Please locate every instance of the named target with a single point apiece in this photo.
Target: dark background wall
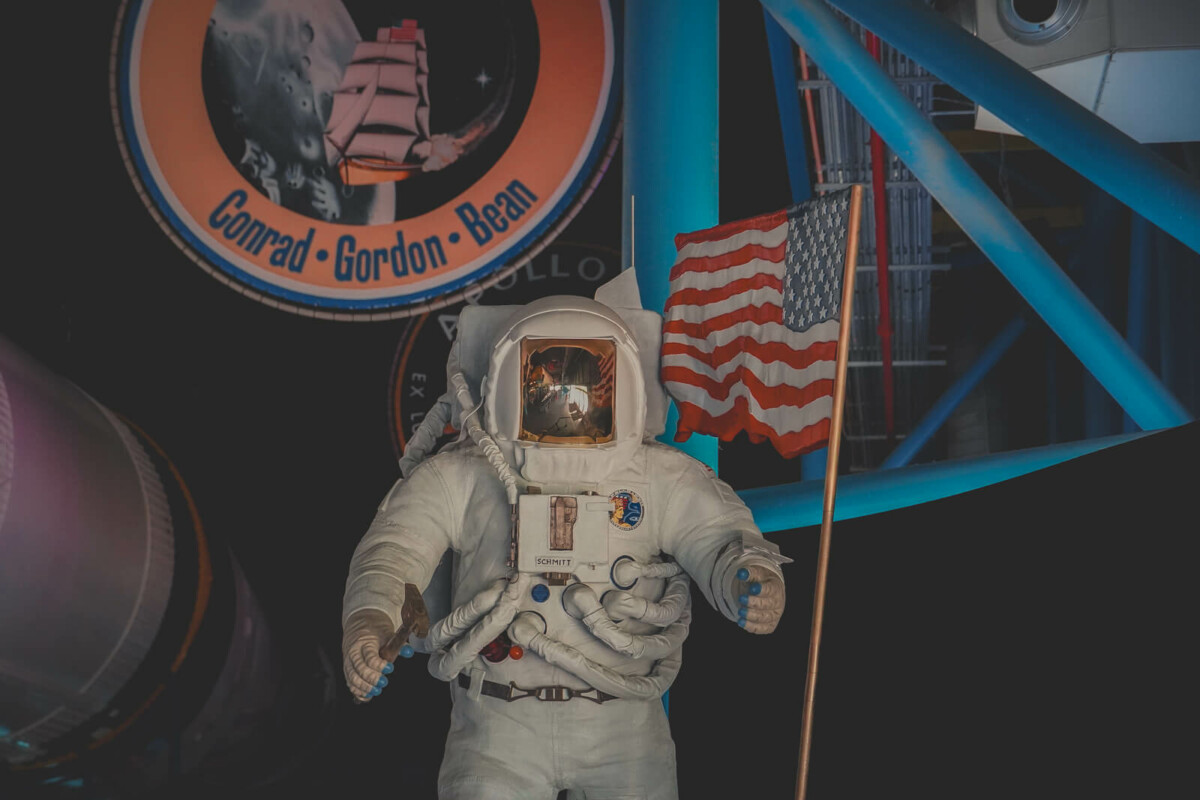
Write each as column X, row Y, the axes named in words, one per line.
column 1029, row 637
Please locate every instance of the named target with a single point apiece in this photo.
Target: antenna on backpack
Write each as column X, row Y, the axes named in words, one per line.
column 632, row 231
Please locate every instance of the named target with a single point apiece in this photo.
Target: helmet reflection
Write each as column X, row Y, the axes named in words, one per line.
column 568, row 386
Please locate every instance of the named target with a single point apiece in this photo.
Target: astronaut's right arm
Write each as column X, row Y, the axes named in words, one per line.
column 415, row 524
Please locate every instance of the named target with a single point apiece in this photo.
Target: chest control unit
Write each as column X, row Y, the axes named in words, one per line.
column 564, row 534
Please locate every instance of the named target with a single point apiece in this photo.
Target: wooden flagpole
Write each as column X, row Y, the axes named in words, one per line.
column 831, row 465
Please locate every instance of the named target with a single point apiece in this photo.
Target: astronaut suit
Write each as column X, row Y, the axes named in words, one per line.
column 574, row 538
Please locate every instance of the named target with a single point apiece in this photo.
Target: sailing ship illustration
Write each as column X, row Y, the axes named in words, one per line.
column 378, row 129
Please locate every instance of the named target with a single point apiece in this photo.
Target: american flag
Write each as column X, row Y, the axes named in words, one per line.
column 751, row 331
column 602, row 396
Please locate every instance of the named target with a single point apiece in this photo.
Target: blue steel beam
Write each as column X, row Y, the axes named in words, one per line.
column 979, row 213
column 787, row 99
column 1114, row 161
column 933, row 420
column 798, row 505
column 783, row 68
column 670, row 147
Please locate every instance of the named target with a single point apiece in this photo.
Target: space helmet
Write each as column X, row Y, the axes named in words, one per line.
column 564, row 396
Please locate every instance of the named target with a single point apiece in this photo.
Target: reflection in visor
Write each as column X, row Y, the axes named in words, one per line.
column 567, row 390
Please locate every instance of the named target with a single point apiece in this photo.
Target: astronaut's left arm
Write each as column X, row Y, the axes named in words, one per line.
column 711, row 533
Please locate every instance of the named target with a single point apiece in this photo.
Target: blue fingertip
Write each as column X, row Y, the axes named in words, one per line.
column 407, row 651
column 387, row 668
column 382, row 682
column 756, row 588
column 743, row 574
column 374, row 692
column 742, row 612
column 743, row 599
column 742, row 622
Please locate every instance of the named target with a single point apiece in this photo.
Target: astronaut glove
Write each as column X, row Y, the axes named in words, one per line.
column 760, row 596
column 364, row 633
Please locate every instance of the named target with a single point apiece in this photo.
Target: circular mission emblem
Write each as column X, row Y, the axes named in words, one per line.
column 364, row 159
column 627, row 509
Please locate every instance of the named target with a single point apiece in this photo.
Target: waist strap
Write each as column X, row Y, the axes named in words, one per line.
column 510, row 691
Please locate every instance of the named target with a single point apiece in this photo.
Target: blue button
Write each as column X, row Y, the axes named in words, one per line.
column 540, row 592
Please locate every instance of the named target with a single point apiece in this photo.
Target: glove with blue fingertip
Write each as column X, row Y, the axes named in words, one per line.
column 761, row 598
column 363, row 635
column 751, row 583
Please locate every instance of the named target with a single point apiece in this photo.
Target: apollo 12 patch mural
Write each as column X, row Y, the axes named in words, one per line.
column 359, row 159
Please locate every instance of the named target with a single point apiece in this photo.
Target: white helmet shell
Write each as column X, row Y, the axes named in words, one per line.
column 564, row 318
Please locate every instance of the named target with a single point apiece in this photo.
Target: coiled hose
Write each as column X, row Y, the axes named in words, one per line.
column 525, row 630
column 581, row 602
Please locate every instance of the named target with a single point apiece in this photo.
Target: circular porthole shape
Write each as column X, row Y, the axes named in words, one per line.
column 1039, row 21
column 364, row 159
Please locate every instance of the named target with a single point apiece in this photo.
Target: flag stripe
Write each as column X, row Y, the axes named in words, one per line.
column 729, row 229
column 705, row 280
column 782, row 419
column 765, row 333
column 772, row 373
column 604, row 389
column 699, row 297
column 722, row 261
column 769, row 238
column 762, row 297
column 766, row 352
column 726, row 426
column 767, row 396
column 768, row 312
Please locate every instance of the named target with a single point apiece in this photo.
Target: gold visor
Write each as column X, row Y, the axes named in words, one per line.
column 567, row 390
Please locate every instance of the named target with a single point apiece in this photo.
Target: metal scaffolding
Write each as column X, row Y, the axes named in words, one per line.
column 844, row 138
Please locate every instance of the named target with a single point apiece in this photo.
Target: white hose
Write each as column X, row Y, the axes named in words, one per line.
column 526, row 631
column 581, row 602
column 481, row 438
column 446, row 664
column 622, row 605
column 626, row 571
column 426, row 435
column 460, row 620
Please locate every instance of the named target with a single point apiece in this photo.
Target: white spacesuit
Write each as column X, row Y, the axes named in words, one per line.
column 574, row 536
